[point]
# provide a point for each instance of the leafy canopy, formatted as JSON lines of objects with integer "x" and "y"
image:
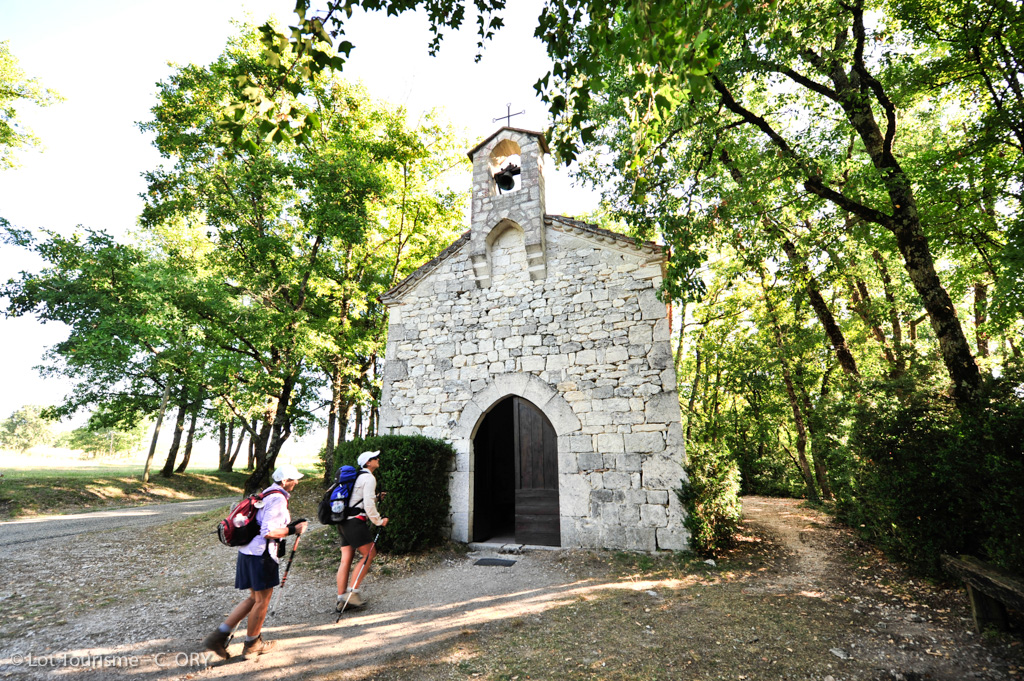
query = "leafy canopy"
{"x": 17, "y": 89}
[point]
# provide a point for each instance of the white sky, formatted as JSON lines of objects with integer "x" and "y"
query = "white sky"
{"x": 105, "y": 56}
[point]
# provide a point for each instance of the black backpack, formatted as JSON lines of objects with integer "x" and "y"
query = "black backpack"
{"x": 334, "y": 508}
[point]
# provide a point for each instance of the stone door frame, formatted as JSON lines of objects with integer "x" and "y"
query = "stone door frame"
{"x": 500, "y": 386}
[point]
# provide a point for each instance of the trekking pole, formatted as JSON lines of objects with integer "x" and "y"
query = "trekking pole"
{"x": 361, "y": 567}
{"x": 284, "y": 579}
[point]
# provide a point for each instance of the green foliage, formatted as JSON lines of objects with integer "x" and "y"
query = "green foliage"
{"x": 100, "y": 442}
{"x": 118, "y": 305}
{"x": 24, "y": 429}
{"x": 711, "y": 499}
{"x": 16, "y": 89}
{"x": 414, "y": 473}
{"x": 254, "y": 279}
{"x": 933, "y": 479}
{"x": 677, "y": 42}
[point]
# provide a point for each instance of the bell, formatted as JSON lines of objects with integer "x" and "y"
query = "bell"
{"x": 505, "y": 178}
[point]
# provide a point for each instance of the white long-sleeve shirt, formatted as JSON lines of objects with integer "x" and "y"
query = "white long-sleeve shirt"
{"x": 364, "y": 496}
{"x": 272, "y": 516}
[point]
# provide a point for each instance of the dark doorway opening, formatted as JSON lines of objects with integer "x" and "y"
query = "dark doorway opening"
{"x": 494, "y": 502}
{"x": 516, "y": 476}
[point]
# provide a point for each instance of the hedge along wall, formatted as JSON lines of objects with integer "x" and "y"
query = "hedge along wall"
{"x": 414, "y": 472}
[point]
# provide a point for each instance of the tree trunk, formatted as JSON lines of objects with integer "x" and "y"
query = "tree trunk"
{"x": 172, "y": 453}
{"x": 894, "y": 317}
{"x": 343, "y": 420}
{"x": 251, "y": 463}
{"x": 853, "y": 90}
{"x": 860, "y": 299}
{"x": 822, "y": 312}
{"x": 816, "y": 437}
{"x": 238, "y": 445}
{"x": 222, "y": 447}
{"x": 272, "y": 437}
{"x": 156, "y": 431}
{"x": 980, "y": 315}
{"x": 332, "y": 419}
{"x": 374, "y": 391}
{"x": 693, "y": 387}
{"x": 227, "y": 441}
{"x": 188, "y": 441}
{"x": 801, "y": 433}
{"x": 914, "y": 323}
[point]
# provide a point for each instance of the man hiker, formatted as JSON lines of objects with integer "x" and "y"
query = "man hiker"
{"x": 355, "y": 533}
{"x": 257, "y": 567}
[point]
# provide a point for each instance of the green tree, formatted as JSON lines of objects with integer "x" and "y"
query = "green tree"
{"x": 17, "y": 89}
{"x": 300, "y": 234}
{"x": 99, "y": 443}
{"x": 679, "y": 36}
{"x": 24, "y": 429}
{"x": 127, "y": 341}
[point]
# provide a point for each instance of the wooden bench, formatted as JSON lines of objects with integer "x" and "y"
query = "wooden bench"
{"x": 990, "y": 589}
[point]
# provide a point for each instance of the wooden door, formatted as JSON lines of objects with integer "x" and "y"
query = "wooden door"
{"x": 536, "y": 489}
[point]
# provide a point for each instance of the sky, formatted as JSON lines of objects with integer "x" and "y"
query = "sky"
{"x": 105, "y": 57}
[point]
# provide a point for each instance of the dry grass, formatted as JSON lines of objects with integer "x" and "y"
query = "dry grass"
{"x": 29, "y": 492}
{"x": 675, "y": 617}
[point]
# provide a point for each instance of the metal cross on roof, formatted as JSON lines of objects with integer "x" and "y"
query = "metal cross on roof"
{"x": 509, "y": 115}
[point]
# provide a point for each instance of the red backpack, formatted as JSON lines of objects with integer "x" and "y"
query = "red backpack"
{"x": 240, "y": 527}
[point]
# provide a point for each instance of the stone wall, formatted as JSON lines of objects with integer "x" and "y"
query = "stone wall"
{"x": 588, "y": 344}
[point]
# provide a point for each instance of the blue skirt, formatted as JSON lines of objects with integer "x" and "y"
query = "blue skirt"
{"x": 256, "y": 572}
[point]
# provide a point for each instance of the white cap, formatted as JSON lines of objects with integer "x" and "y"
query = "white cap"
{"x": 286, "y": 472}
{"x": 365, "y": 457}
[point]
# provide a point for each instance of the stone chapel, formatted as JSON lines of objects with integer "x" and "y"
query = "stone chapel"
{"x": 536, "y": 344}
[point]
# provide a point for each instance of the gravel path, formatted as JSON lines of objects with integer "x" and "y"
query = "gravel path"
{"x": 47, "y": 527}
{"x": 126, "y": 604}
{"x": 158, "y": 602}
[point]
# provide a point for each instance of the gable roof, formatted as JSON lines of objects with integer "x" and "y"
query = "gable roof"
{"x": 654, "y": 251}
{"x": 540, "y": 138}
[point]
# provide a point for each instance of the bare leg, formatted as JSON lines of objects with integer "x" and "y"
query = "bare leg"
{"x": 347, "y": 553}
{"x": 240, "y": 611}
{"x": 368, "y": 552}
{"x": 258, "y": 612}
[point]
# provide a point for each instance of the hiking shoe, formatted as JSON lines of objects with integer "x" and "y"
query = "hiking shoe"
{"x": 354, "y": 601}
{"x": 217, "y": 642}
{"x": 256, "y": 647}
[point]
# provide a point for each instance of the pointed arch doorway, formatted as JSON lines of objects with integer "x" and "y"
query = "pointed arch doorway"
{"x": 516, "y": 476}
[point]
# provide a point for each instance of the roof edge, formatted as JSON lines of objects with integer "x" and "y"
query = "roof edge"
{"x": 393, "y": 294}
{"x": 567, "y": 224}
{"x": 539, "y": 135}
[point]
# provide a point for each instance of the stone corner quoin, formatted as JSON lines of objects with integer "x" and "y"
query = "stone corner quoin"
{"x": 559, "y": 313}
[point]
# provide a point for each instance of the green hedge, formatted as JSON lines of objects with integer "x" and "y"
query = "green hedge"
{"x": 711, "y": 500}
{"x": 933, "y": 479}
{"x": 414, "y": 472}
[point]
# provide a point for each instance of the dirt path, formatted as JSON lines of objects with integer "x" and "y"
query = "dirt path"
{"x": 907, "y": 629}
{"x": 147, "y": 610}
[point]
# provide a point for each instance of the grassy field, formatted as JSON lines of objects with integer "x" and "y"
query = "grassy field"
{"x": 40, "y": 487}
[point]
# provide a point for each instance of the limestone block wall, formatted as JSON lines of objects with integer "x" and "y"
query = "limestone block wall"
{"x": 588, "y": 345}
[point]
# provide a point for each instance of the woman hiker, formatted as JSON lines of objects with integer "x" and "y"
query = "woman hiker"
{"x": 355, "y": 533}
{"x": 257, "y": 567}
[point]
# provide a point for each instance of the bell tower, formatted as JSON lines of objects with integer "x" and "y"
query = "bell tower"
{"x": 508, "y": 187}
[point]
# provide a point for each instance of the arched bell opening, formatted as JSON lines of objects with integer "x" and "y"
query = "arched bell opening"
{"x": 506, "y": 167}
{"x": 515, "y": 481}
